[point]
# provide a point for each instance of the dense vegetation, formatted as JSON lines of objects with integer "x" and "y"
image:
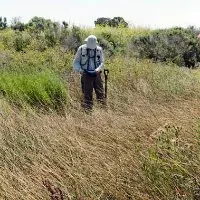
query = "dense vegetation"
{"x": 144, "y": 146}
{"x": 114, "y": 22}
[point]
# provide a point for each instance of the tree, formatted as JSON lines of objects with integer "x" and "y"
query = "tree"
{"x": 50, "y": 30}
{"x": 118, "y": 21}
{"x": 102, "y": 21}
{"x": 40, "y": 24}
{"x": 115, "y": 22}
{"x": 3, "y": 23}
{"x": 16, "y": 24}
{"x": 65, "y": 24}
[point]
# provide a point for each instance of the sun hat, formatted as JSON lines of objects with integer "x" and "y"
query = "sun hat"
{"x": 91, "y": 42}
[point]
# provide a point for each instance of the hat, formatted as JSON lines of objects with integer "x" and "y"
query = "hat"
{"x": 91, "y": 42}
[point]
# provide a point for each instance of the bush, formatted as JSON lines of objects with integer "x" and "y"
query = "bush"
{"x": 15, "y": 40}
{"x": 37, "y": 89}
{"x": 107, "y": 46}
{"x": 171, "y": 166}
{"x": 157, "y": 81}
{"x": 166, "y": 44}
{"x": 115, "y": 22}
{"x": 71, "y": 40}
{"x": 19, "y": 43}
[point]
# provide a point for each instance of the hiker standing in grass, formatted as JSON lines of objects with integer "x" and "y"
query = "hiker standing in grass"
{"x": 89, "y": 62}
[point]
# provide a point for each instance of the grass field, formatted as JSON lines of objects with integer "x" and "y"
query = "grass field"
{"x": 144, "y": 146}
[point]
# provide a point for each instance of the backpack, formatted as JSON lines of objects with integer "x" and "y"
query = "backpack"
{"x": 85, "y": 57}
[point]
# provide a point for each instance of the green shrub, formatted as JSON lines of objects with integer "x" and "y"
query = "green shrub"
{"x": 38, "y": 43}
{"x": 162, "y": 81}
{"x": 108, "y": 48}
{"x": 72, "y": 39}
{"x": 15, "y": 40}
{"x": 37, "y": 89}
{"x": 50, "y": 38}
{"x": 52, "y": 59}
{"x": 171, "y": 167}
{"x": 165, "y": 44}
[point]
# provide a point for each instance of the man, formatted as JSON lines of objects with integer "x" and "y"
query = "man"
{"x": 89, "y": 62}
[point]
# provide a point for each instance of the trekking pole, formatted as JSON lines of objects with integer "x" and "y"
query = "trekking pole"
{"x": 106, "y": 72}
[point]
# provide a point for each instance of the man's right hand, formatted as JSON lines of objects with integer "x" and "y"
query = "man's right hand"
{"x": 97, "y": 71}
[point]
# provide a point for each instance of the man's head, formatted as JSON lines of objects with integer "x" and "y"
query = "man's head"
{"x": 91, "y": 42}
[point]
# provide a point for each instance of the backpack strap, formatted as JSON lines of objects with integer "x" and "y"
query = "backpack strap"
{"x": 88, "y": 57}
{"x": 88, "y": 60}
{"x": 95, "y": 61}
{"x": 84, "y": 55}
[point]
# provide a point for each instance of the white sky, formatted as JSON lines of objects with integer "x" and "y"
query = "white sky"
{"x": 145, "y": 13}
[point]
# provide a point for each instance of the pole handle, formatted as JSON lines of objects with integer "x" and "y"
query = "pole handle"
{"x": 106, "y": 72}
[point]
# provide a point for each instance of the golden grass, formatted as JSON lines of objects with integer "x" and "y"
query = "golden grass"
{"x": 110, "y": 154}
{"x": 95, "y": 156}
{"x": 102, "y": 155}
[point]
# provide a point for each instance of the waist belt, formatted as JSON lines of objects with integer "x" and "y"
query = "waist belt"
{"x": 90, "y": 73}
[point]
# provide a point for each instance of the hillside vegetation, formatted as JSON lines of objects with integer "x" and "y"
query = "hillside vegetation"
{"x": 144, "y": 146}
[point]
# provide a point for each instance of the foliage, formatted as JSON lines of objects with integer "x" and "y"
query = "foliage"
{"x": 45, "y": 33}
{"x": 21, "y": 41}
{"x": 168, "y": 163}
{"x": 112, "y": 154}
{"x": 17, "y": 25}
{"x": 71, "y": 39}
{"x": 3, "y": 23}
{"x": 166, "y": 44}
{"x": 39, "y": 24}
{"x": 44, "y": 28}
{"x": 65, "y": 24}
{"x": 116, "y": 40}
{"x": 33, "y": 60}
{"x": 37, "y": 89}
{"x": 155, "y": 81}
{"x": 103, "y": 21}
{"x": 114, "y": 22}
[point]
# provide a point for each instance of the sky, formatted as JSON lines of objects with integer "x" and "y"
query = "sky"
{"x": 138, "y": 13}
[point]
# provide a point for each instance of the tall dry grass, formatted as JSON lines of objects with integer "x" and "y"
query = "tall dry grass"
{"x": 144, "y": 146}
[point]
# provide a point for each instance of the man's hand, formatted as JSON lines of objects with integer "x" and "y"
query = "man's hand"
{"x": 97, "y": 71}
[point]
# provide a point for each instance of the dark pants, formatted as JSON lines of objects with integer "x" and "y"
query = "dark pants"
{"x": 87, "y": 84}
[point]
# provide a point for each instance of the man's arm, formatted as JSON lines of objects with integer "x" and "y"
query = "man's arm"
{"x": 101, "y": 59}
{"x": 77, "y": 61}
